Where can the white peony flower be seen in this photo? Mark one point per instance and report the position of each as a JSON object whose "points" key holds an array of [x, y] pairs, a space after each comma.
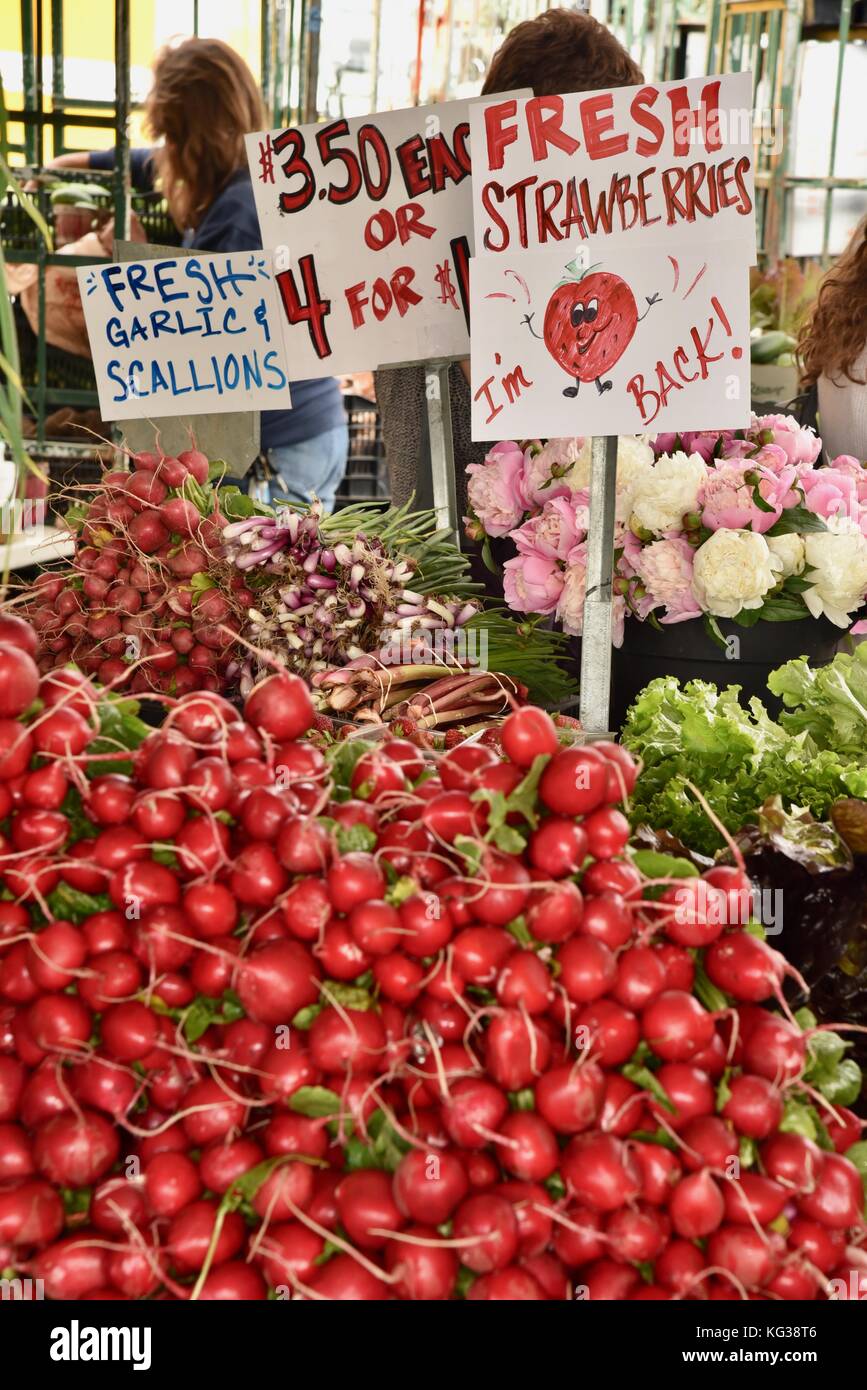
{"points": [[790, 552], [634, 457], [837, 559], [733, 570], [666, 492]]}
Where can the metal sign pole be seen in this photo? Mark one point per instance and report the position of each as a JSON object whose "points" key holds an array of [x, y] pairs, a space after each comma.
{"points": [[598, 613], [442, 454]]}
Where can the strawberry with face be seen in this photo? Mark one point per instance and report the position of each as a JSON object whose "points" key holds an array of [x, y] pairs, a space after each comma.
{"points": [[589, 323]]}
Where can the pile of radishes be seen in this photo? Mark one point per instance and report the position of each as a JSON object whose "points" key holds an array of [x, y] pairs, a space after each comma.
{"points": [[147, 603], [430, 1034]]}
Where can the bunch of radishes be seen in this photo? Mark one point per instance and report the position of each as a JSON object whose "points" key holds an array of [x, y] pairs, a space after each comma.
{"points": [[408, 1028], [148, 602]]}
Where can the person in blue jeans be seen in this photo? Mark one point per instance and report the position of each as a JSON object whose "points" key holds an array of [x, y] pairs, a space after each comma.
{"points": [[203, 101]]}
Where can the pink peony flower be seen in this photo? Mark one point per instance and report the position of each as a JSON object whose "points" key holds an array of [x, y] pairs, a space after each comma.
{"points": [[494, 488], [551, 471], [727, 502], [665, 569], [532, 583], [831, 492], [570, 608], [802, 445], [553, 533], [702, 442]]}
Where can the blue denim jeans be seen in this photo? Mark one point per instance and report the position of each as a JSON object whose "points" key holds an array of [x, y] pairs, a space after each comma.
{"points": [[312, 466]]}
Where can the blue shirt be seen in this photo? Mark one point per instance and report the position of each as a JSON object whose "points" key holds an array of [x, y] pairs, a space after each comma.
{"points": [[231, 224]]}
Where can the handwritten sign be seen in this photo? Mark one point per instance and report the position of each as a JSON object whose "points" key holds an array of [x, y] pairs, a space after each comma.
{"points": [[658, 165], [186, 335], [370, 220], [630, 340]]}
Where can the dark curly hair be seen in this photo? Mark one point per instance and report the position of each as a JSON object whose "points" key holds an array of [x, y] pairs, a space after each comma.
{"points": [[834, 336], [561, 51]]}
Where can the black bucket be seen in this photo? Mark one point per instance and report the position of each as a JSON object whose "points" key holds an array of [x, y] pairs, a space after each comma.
{"points": [[687, 651]]}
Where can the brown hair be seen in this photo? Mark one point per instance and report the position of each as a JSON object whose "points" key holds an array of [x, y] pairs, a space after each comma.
{"points": [[834, 336], [203, 101], [561, 51]]}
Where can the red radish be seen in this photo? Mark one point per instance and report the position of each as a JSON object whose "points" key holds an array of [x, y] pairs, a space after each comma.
{"points": [[678, 1266], [679, 965], [525, 978], [478, 953], [427, 1270], [588, 969], [376, 927], [640, 977], [822, 1246], [527, 734], [844, 1129], [532, 1152], [171, 1183], [753, 1198], [696, 912], [612, 876], [574, 782], [15, 632], [608, 1279], [473, 1110], [688, 1089], [558, 847], [708, 1142], [660, 1171], [676, 1026], [622, 769], [276, 981], [754, 1106], [354, 879], [367, 1209], [612, 1033], [837, 1199], [554, 914], [347, 1040], [696, 1206], [19, 680], [774, 1049], [737, 888], [750, 1256], [71, 1267], [600, 1172], [343, 1278], [429, 1186], [745, 967], [462, 767], [608, 918], [192, 1236], [280, 706], [516, 1050], [637, 1233], [607, 832], [76, 1150], [492, 1220]]}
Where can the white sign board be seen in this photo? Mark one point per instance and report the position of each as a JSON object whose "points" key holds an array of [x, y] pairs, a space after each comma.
{"points": [[634, 340], [370, 221], [191, 335], [658, 165]]}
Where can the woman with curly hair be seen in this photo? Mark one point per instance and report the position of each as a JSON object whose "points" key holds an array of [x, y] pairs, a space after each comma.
{"points": [[833, 351]]}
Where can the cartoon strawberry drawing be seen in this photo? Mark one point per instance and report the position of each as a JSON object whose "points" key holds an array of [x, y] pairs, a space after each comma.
{"points": [[589, 323]]}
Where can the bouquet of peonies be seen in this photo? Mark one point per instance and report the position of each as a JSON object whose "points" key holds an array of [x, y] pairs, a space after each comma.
{"points": [[744, 524]]}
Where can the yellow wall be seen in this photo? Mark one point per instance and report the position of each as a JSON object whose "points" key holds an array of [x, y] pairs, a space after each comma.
{"points": [[88, 47]]}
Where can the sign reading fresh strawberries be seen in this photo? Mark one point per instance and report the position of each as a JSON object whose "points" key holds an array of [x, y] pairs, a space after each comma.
{"points": [[614, 232], [650, 166], [370, 221]]}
